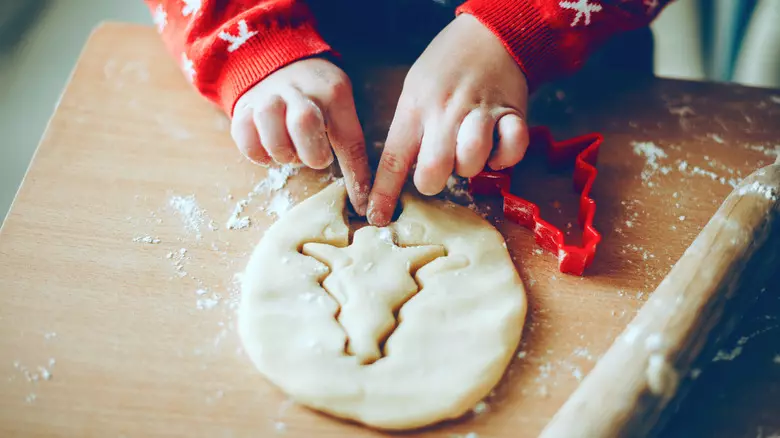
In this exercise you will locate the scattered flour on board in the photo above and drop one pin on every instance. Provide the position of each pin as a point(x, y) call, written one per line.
point(38, 373)
point(280, 203)
point(237, 222)
point(652, 154)
point(728, 355)
point(723, 355)
point(772, 151)
point(191, 214)
point(206, 301)
point(716, 138)
point(276, 178)
point(146, 239)
point(274, 183)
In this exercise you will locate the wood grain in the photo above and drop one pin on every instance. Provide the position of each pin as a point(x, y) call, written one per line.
point(134, 356)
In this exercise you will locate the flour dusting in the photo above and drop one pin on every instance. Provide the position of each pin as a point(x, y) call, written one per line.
point(276, 179)
point(191, 214)
point(280, 202)
point(652, 154)
point(236, 221)
point(146, 239)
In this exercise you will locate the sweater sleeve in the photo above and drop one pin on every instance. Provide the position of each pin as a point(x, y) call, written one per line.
point(552, 38)
point(224, 47)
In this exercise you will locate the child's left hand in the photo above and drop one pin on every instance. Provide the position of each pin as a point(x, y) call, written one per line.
point(462, 89)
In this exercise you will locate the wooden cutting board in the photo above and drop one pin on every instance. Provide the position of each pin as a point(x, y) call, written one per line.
point(106, 331)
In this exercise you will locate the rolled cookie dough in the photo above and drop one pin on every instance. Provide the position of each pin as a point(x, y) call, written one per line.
point(454, 337)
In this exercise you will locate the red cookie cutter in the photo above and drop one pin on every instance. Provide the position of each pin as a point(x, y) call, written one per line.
point(583, 152)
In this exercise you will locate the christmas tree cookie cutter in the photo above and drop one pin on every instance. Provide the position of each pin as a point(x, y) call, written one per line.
point(582, 153)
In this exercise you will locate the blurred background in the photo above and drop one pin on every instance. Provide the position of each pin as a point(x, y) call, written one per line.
point(717, 40)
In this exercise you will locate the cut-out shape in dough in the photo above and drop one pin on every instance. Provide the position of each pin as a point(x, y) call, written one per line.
point(367, 305)
point(454, 337)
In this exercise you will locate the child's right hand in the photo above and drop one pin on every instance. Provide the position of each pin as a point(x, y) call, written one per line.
point(297, 114)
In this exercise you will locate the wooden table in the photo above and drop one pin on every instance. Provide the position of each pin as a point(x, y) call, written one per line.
point(102, 335)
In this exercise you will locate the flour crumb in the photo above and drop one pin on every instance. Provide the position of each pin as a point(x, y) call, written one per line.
point(45, 374)
point(577, 373)
point(191, 214)
point(583, 352)
point(236, 221)
point(776, 359)
point(695, 373)
point(723, 355)
point(146, 239)
point(480, 408)
point(522, 354)
point(652, 154)
point(716, 138)
point(682, 111)
point(30, 398)
point(629, 224)
point(682, 218)
point(208, 303)
point(277, 177)
point(49, 336)
point(280, 426)
point(768, 151)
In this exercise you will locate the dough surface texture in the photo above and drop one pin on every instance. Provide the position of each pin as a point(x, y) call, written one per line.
point(317, 313)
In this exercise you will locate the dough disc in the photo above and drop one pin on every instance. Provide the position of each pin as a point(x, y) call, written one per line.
point(454, 337)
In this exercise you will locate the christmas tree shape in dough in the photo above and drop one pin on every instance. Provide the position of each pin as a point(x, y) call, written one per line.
point(371, 279)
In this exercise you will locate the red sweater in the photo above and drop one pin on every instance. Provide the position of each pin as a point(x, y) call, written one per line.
point(226, 46)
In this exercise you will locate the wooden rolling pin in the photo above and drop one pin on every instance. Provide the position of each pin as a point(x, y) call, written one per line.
point(630, 391)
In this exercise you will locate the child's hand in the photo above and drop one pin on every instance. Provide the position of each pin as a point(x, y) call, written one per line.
point(462, 89)
point(296, 114)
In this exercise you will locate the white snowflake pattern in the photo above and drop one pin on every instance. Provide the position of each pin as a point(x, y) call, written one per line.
point(652, 5)
point(160, 18)
point(190, 7)
point(584, 9)
point(188, 67)
point(237, 41)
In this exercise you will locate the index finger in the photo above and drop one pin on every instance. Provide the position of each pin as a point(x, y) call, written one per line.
point(401, 147)
point(349, 146)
